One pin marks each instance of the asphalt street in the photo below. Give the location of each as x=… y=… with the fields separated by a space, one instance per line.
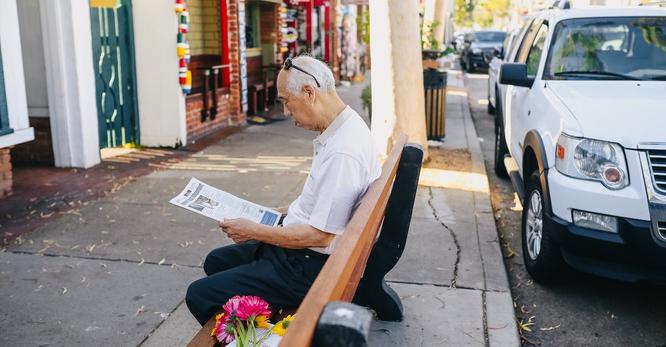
x=584 y=310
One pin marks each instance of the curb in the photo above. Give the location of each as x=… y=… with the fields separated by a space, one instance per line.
x=498 y=304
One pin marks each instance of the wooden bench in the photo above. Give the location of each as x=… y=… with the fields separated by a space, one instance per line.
x=355 y=271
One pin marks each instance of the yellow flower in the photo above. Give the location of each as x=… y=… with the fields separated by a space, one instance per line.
x=281 y=326
x=218 y=321
x=262 y=322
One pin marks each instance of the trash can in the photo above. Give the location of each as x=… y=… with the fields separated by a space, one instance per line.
x=434 y=85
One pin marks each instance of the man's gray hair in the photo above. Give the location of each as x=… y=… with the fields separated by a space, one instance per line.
x=297 y=79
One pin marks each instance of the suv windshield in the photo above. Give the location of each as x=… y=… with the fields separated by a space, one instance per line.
x=618 y=48
x=489 y=36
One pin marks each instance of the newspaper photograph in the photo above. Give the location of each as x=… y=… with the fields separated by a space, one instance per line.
x=211 y=202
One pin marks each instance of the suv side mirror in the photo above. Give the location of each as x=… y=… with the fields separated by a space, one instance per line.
x=515 y=75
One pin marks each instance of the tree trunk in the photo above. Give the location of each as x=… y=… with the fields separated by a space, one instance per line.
x=397 y=76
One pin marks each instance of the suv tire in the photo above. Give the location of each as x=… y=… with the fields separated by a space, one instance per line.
x=542 y=256
x=501 y=148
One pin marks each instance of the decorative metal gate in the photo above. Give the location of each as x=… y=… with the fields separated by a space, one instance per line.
x=113 y=59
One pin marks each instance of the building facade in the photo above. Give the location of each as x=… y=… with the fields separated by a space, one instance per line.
x=79 y=76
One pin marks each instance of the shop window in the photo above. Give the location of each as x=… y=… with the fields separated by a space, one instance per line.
x=252 y=27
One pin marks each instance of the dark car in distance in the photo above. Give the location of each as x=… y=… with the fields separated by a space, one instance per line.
x=479 y=48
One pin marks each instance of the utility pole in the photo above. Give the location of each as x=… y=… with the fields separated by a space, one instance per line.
x=397 y=75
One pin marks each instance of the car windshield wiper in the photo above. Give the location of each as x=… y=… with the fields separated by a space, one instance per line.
x=596 y=73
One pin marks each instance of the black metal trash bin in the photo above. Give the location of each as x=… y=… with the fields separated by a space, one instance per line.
x=434 y=85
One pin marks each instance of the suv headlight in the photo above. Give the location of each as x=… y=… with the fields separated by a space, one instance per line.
x=593 y=160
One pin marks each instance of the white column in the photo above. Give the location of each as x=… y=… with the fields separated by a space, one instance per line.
x=160 y=98
x=70 y=82
x=12 y=61
x=397 y=75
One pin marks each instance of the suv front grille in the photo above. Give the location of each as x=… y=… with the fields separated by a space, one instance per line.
x=658 y=167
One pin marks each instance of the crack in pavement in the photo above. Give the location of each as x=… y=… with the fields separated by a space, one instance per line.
x=132 y=261
x=446 y=286
x=453 y=236
x=483 y=270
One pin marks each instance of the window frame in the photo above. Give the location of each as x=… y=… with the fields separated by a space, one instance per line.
x=544 y=26
x=558 y=27
x=528 y=40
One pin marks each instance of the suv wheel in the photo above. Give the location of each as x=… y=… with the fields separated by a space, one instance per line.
x=501 y=149
x=541 y=254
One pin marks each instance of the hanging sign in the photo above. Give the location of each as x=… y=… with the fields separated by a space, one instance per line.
x=104 y=3
x=290 y=35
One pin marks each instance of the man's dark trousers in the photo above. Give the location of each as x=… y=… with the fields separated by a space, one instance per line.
x=278 y=275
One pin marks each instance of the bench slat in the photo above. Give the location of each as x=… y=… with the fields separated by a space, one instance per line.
x=203 y=338
x=341 y=269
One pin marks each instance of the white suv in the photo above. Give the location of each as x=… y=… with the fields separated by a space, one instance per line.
x=581 y=131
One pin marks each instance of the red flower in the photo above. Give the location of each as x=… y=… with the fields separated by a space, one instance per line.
x=252 y=306
x=231 y=307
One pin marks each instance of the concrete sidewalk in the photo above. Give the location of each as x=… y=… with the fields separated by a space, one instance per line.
x=115 y=272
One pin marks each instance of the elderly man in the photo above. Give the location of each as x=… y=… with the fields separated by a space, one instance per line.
x=280 y=264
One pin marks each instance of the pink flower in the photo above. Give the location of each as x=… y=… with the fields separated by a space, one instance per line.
x=252 y=306
x=231 y=307
x=223 y=332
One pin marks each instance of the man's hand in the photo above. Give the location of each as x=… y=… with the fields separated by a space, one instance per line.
x=239 y=229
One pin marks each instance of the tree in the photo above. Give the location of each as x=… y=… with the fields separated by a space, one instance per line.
x=489 y=11
x=463 y=12
x=398 y=103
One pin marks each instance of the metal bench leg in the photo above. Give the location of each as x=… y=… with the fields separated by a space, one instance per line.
x=377 y=295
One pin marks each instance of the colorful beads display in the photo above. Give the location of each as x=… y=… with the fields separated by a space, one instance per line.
x=183 y=46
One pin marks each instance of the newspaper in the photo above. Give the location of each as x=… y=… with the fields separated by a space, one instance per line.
x=217 y=204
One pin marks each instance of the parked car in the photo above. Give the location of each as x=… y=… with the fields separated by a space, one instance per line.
x=582 y=134
x=499 y=56
x=478 y=48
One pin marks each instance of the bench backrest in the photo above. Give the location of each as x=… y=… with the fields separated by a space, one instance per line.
x=340 y=276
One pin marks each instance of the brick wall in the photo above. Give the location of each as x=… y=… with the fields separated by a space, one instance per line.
x=5 y=173
x=38 y=151
x=204 y=29
x=194 y=105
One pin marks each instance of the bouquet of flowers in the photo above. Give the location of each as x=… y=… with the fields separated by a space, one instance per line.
x=245 y=323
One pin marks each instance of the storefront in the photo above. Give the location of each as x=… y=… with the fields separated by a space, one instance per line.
x=309 y=24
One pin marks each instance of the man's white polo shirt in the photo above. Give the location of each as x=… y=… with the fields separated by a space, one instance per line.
x=344 y=164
